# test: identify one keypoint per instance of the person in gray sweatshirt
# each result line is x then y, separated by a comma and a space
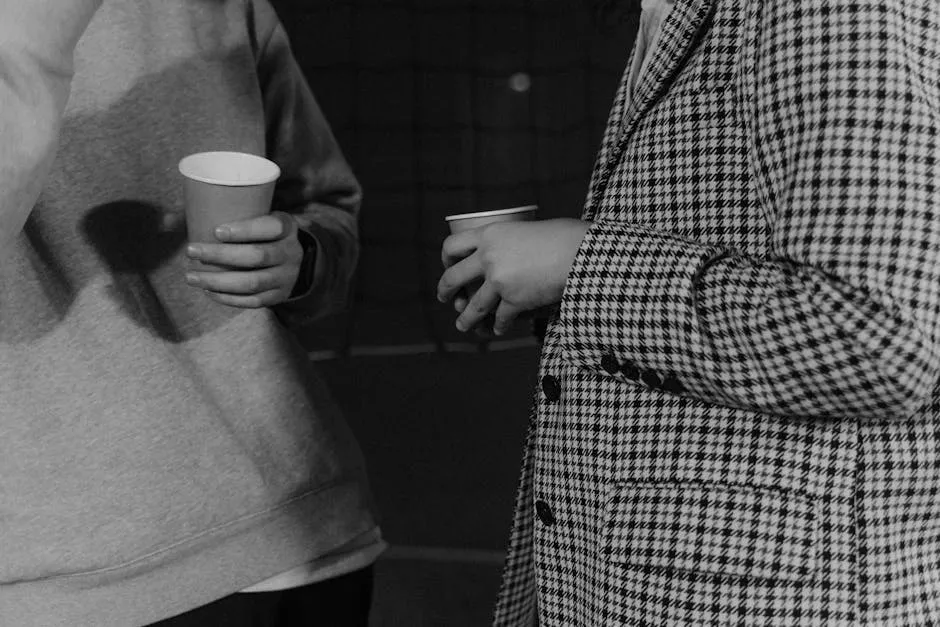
168, 454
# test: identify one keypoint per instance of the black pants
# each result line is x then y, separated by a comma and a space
341, 602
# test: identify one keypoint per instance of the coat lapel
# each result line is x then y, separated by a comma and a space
679, 34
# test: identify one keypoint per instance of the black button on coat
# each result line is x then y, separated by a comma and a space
551, 388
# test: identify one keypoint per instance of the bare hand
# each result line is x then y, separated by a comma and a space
523, 265
260, 261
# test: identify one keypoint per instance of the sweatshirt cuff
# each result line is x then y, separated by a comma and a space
308, 266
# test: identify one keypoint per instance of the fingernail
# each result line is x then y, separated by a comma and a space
192, 279
223, 232
193, 251
461, 327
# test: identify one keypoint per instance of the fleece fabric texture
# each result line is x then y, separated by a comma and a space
159, 450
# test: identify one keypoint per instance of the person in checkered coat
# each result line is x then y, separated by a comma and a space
738, 416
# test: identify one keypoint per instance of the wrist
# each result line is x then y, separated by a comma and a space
304, 282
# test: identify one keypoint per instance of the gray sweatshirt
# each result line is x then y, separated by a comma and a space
159, 450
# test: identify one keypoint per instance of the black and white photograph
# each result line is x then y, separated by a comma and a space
469, 313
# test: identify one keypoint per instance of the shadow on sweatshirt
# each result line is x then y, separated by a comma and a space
111, 213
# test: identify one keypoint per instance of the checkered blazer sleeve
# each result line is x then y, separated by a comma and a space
841, 316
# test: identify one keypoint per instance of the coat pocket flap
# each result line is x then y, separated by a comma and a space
724, 530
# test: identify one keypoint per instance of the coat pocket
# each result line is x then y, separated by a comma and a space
713, 529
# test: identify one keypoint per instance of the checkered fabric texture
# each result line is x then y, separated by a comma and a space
738, 421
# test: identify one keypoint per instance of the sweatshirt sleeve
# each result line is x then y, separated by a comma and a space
317, 185
37, 44
841, 319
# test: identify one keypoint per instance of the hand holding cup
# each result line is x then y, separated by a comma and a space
524, 266
459, 223
243, 255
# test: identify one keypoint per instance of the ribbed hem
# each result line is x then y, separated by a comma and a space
363, 551
195, 572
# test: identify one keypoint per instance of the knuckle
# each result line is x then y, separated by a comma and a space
489, 232
286, 221
478, 306
259, 256
261, 282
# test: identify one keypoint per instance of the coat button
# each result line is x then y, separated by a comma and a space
673, 385
551, 388
651, 379
609, 364
544, 513
630, 371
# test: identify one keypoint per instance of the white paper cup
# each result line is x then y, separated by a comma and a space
222, 187
465, 221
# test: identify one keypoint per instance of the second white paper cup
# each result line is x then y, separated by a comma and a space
465, 221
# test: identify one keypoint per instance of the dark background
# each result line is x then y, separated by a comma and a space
447, 106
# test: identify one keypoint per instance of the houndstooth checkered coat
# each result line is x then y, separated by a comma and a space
738, 417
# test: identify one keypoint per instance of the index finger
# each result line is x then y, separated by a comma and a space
458, 246
267, 228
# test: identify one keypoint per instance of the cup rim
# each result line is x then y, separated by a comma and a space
489, 214
187, 163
